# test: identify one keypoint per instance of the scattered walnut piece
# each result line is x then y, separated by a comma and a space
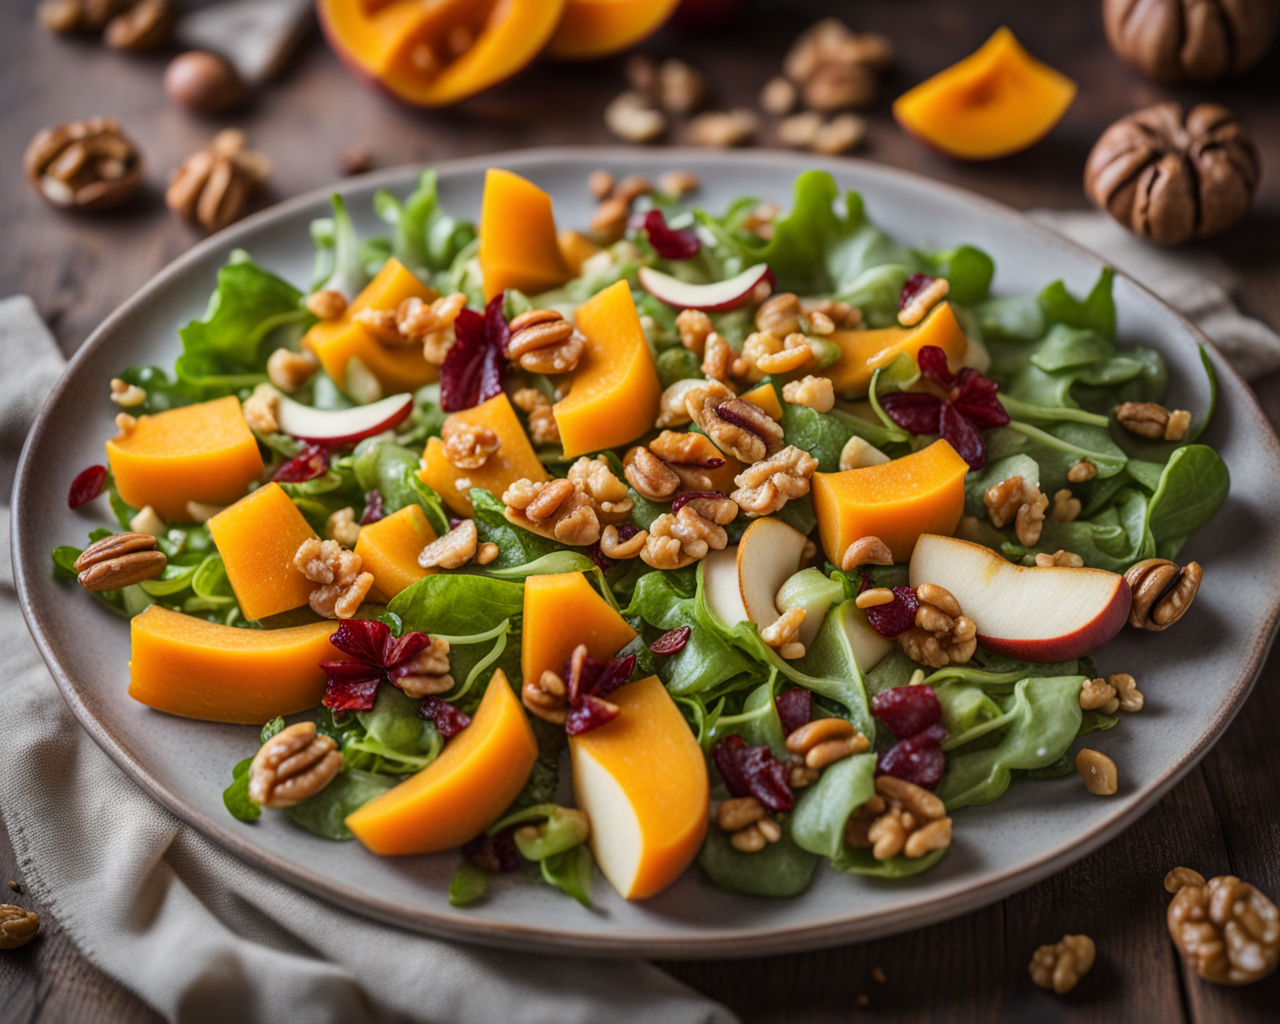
901, 818
631, 118
1225, 929
1061, 966
681, 89
815, 392
763, 488
87, 165
602, 486
1082, 472
340, 585
943, 634
721, 129
557, 509
738, 427
681, 539
800, 130
427, 672
1018, 501
467, 445
1153, 421
213, 186
778, 97
293, 765
17, 926
1059, 558
452, 551
694, 327
1162, 592
1066, 507
288, 370
1098, 771
342, 527
261, 410
431, 323
600, 184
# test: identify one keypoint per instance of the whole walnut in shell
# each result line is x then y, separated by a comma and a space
1172, 178
1191, 40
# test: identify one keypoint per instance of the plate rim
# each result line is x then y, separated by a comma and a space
726, 943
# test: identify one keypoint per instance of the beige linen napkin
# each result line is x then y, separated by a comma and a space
200, 936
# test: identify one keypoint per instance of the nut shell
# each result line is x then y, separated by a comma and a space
86, 165
205, 82
1170, 177
1190, 40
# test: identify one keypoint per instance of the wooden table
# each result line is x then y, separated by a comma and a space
1224, 817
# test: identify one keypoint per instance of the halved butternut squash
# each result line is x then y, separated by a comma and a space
390, 547
257, 538
896, 501
198, 669
335, 342
515, 458
435, 53
997, 101
463, 791
204, 453
562, 611
614, 393
597, 28
864, 352
518, 243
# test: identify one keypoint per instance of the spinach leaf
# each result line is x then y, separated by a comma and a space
325, 813
1044, 717
236, 796
1113, 539
469, 885
571, 871
1212, 374
426, 239
1070, 348
1097, 312
863, 862
1192, 488
876, 291
1011, 318
819, 434
817, 824
446, 604
392, 470
394, 739
338, 265
831, 669
968, 271
516, 546
780, 869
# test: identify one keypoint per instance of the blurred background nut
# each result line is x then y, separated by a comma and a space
1170, 177
1190, 40
204, 82
144, 26
79, 15
838, 86
681, 89
84, 165
17, 926
723, 129
631, 118
212, 187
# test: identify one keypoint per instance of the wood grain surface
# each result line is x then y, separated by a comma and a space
1225, 817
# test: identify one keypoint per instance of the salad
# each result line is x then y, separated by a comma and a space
750, 538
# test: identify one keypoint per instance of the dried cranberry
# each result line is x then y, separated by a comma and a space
914, 411
957, 430
626, 531
589, 713
599, 678
916, 284
932, 361
896, 617
907, 710
918, 758
668, 243
753, 771
87, 486
375, 657
312, 461
597, 555
726, 413
373, 509
494, 853
795, 708
472, 371
449, 720
672, 642
683, 499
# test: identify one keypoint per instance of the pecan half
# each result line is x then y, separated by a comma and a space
1162, 592
120, 560
293, 765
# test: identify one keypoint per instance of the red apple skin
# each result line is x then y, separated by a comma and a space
394, 420
717, 307
1089, 638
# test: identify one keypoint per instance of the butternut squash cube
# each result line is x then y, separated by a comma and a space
562, 611
198, 669
257, 538
864, 352
463, 791
515, 458
576, 248
398, 368
997, 101
896, 501
765, 397
518, 244
614, 393
203, 452
390, 547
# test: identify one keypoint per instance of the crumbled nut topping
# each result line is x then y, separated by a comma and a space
1066, 508
293, 765
1162, 592
1098, 771
452, 551
765, 487
288, 370
1061, 966
341, 586
1022, 503
557, 509
742, 429
383, 324
467, 445
815, 392
432, 324
1117, 692
750, 825
126, 395
681, 539
1154, 421
923, 301
1082, 472
597, 479
1059, 558
342, 527
782, 634
486, 552
1225, 929
901, 818
942, 635
427, 672
261, 410
841, 314
543, 341
779, 315
717, 358
327, 304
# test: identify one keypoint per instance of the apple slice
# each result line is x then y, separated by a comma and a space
341, 426
769, 554
713, 298
869, 647
1033, 613
720, 586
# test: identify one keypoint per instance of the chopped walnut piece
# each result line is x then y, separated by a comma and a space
681, 539
942, 635
738, 427
779, 315
427, 672
923, 301
1018, 501
1066, 508
261, 410
715, 508
543, 428
815, 392
17, 926
547, 697
649, 475
1059, 558
292, 766
820, 324
694, 328
288, 370
597, 479
543, 341
342, 527
1082, 472
341, 586
841, 314
1117, 692
722, 129
613, 546
327, 304
467, 445
765, 487
452, 551
901, 818
866, 551
1226, 930
1061, 966
556, 509
431, 324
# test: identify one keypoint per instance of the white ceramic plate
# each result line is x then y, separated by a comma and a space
1195, 676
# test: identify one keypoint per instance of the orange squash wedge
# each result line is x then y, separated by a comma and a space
597, 28
614, 393
257, 538
204, 453
463, 791
519, 247
575, 249
198, 669
997, 101
896, 501
432, 53
562, 611
515, 458
336, 342
864, 352
642, 780
389, 550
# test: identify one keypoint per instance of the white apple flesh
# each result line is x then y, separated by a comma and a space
769, 554
713, 298
1032, 613
341, 426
